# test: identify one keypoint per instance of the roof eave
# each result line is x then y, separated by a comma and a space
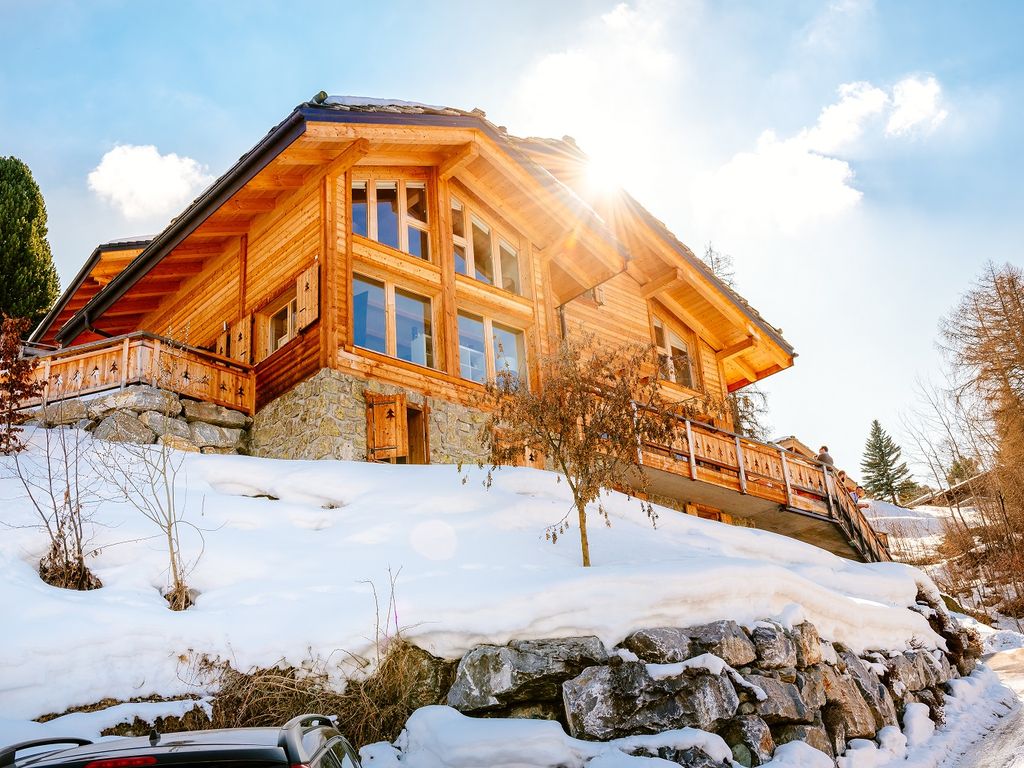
202, 208
44, 325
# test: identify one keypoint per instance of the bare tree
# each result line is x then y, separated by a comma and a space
977, 420
64, 492
597, 408
148, 477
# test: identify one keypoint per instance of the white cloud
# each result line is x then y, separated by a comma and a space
787, 184
841, 124
141, 183
781, 185
615, 81
917, 107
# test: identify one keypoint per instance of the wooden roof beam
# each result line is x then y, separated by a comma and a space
348, 157
248, 205
662, 283
463, 156
736, 349
745, 369
388, 134
276, 181
214, 228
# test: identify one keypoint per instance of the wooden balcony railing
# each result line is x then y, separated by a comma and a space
707, 454
143, 358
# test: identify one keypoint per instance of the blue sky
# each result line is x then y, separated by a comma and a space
860, 162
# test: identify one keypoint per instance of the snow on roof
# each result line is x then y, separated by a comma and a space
285, 577
369, 101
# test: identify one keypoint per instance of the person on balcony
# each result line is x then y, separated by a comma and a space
824, 457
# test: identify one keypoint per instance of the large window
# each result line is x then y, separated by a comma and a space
392, 321
394, 213
674, 354
481, 252
369, 313
487, 348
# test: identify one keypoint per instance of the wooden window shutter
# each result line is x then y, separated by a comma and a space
222, 344
241, 339
307, 294
387, 427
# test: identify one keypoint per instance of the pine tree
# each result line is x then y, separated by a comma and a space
885, 476
30, 285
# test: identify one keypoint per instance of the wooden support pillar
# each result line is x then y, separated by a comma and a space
243, 269
330, 278
741, 466
449, 342
692, 450
346, 268
785, 476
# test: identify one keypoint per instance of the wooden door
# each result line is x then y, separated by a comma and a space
387, 427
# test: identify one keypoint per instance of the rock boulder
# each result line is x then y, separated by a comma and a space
122, 427
604, 703
490, 676
662, 645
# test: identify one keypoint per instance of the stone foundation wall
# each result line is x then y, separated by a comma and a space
145, 415
324, 417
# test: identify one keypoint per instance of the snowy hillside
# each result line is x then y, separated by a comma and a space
292, 577
292, 554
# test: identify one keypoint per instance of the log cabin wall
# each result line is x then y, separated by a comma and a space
195, 313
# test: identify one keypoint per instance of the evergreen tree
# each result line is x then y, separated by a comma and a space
885, 476
29, 286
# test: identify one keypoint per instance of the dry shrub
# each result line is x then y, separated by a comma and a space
1013, 607
66, 573
370, 710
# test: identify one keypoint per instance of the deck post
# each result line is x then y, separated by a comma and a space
154, 368
828, 492
785, 476
46, 382
742, 468
692, 450
125, 352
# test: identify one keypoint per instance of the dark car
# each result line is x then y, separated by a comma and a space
308, 741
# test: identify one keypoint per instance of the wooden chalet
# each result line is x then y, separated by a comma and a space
411, 252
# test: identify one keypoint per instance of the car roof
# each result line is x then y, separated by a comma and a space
263, 741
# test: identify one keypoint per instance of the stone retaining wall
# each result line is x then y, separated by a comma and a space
324, 417
144, 415
756, 687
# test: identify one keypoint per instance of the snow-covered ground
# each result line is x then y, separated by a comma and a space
920, 529
292, 578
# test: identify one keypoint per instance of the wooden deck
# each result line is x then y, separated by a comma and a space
143, 358
777, 489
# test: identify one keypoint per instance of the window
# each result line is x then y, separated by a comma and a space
413, 340
369, 315
509, 351
282, 324
487, 348
392, 321
674, 354
472, 351
394, 213
481, 253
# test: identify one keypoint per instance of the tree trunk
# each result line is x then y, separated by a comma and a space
584, 541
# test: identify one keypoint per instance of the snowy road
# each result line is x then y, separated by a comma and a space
1003, 747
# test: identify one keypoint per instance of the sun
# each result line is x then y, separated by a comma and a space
603, 176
